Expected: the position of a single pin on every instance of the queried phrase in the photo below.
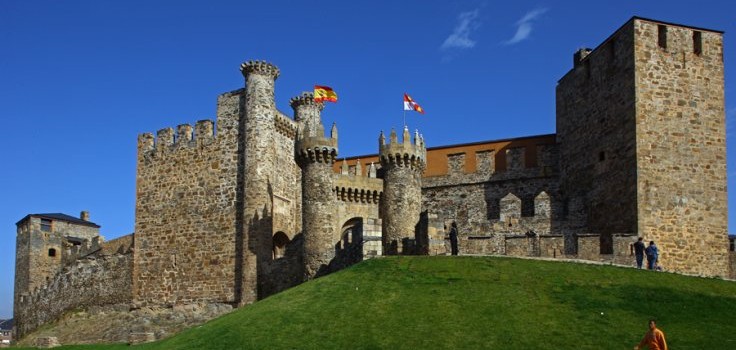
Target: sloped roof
(61, 217)
(6, 325)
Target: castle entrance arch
(280, 240)
(351, 233)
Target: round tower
(403, 164)
(316, 154)
(258, 165)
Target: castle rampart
(191, 181)
(103, 280)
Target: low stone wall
(88, 282)
(589, 247)
(518, 245)
(120, 245)
(552, 246)
(489, 244)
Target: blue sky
(79, 80)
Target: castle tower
(641, 128)
(403, 164)
(258, 167)
(316, 154)
(41, 240)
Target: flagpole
(405, 118)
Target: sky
(79, 80)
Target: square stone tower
(40, 243)
(641, 128)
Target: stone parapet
(88, 282)
(261, 68)
(316, 149)
(405, 153)
(359, 189)
(166, 140)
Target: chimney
(84, 215)
(579, 55)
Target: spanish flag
(410, 105)
(324, 93)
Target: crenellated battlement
(317, 148)
(405, 153)
(167, 139)
(285, 126)
(305, 99)
(260, 67)
(358, 189)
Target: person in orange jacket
(653, 339)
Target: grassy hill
(475, 303)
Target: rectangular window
(662, 37)
(46, 225)
(697, 42)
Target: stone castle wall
(104, 280)
(595, 133)
(681, 146)
(41, 254)
(484, 200)
(186, 219)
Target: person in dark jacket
(639, 252)
(453, 238)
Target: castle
(233, 211)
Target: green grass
(475, 303)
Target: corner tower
(403, 164)
(258, 168)
(641, 128)
(316, 154)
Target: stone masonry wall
(681, 146)
(186, 220)
(595, 132)
(40, 254)
(480, 200)
(105, 280)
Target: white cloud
(524, 26)
(460, 37)
(730, 120)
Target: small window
(46, 225)
(662, 36)
(601, 156)
(732, 245)
(52, 252)
(697, 42)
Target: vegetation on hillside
(475, 303)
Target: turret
(307, 113)
(403, 164)
(316, 154)
(258, 166)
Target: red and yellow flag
(324, 93)
(410, 105)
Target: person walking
(639, 252)
(653, 339)
(652, 255)
(453, 238)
